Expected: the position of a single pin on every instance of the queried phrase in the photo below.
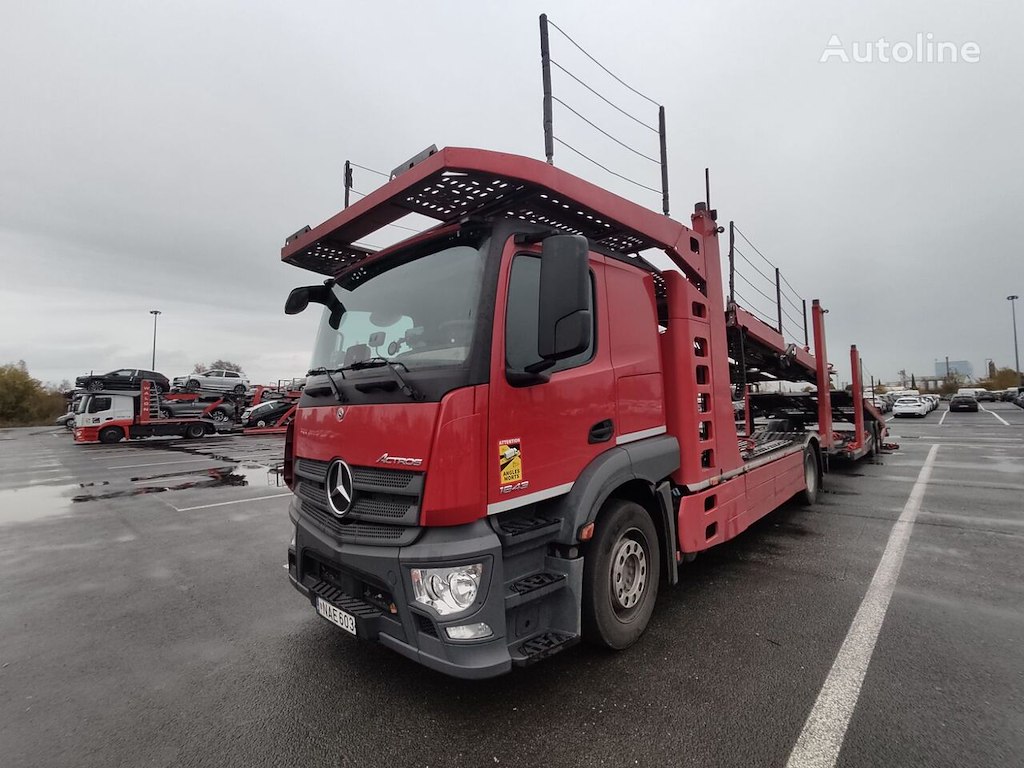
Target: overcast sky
(155, 156)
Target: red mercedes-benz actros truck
(515, 427)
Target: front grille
(357, 532)
(382, 478)
(390, 496)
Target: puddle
(36, 502)
(233, 475)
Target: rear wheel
(621, 572)
(194, 431)
(111, 435)
(166, 413)
(812, 477)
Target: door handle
(601, 432)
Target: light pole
(154, 313)
(1016, 354)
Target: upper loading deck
(457, 183)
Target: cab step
(533, 587)
(541, 646)
(518, 530)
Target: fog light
(447, 590)
(469, 631)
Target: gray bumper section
(528, 597)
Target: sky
(155, 156)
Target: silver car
(219, 380)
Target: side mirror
(565, 320)
(300, 298)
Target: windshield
(421, 312)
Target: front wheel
(111, 435)
(239, 389)
(95, 385)
(194, 431)
(192, 384)
(621, 571)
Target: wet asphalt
(146, 619)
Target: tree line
(25, 401)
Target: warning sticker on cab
(510, 461)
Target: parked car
(265, 414)
(910, 406)
(984, 396)
(963, 403)
(185, 408)
(66, 420)
(878, 401)
(1019, 400)
(123, 378)
(218, 379)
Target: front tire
(95, 385)
(621, 571)
(192, 384)
(239, 389)
(195, 431)
(110, 435)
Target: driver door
(542, 435)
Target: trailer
(109, 416)
(856, 426)
(516, 427)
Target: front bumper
(372, 583)
(529, 592)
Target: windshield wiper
(392, 365)
(330, 377)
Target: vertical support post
(732, 263)
(807, 339)
(778, 299)
(858, 397)
(348, 180)
(545, 71)
(664, 160)
(748, 417)
(707, 188)
(821, 358)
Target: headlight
(447, 590)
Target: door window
(521, 317)
(99, 404)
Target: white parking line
(945, 413)
(233, 501)
(822, 737)
(161, 463)
(889, 419)
(986, 410)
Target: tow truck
(111, 416)
(516, 427)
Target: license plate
(335, 615)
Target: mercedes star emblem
(339, 487)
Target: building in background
(962, 367)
